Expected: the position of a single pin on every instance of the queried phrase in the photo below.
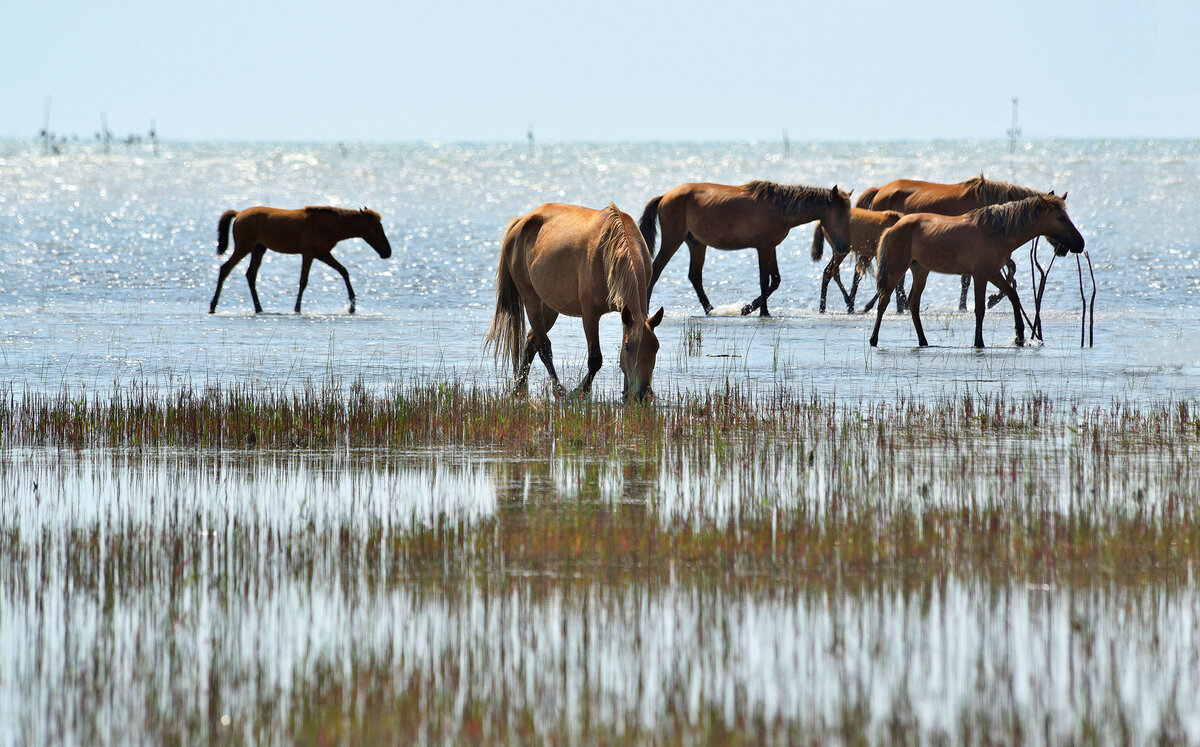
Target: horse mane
(994, 192)
(342, 212)
(1009, 217)
(789, 198)
(620, 263)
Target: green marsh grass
(445, 563)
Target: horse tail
(866, 198)
(881, 262)
(818, 246)
(223, 230)
(646, 224)
(507, 333)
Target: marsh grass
(247, 564)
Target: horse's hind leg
(697, 251)
(1002, 283)
(541, 319)
(671, 241)
(304, 268)
(920, 275)
(328, 259)
(252, 275)
(768, 281)
(832, 272)
(226, 267)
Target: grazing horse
(311, 232)
(866, 226)
(977, 244)
(566, 259)
(757, 215)
(912, 196)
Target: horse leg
(671, 242)
(1010, 275)
(328, 259)
(901, 297)
(541, 319)
(305, 265)
(591, 330)
(882, 297)
(696, 270)
(768, 281)
(1002, 283)
(860, 269)
(980, 304)
(522, 385)
(920, 275)
(252, 275)
(833, 272)
(226, 267)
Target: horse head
(373, 232)
(1058, 228)
(639, 349)
(836, 221)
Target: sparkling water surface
(109, 264)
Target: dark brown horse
(566, 259)
(912, 196)
(977, 244)
(866, 226)
(757, 215)
(311, 232)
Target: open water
(107, 263)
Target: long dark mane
(791, 199)
(994, 192)
(1010, 217)
(341, 212)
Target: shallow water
(108, 264)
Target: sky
(393, 70)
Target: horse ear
(1064, 197)
(656, 320)
(626, 316)
(1050, 192)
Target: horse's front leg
(962, 297)
(768, 281)
(833, 272)
(305, 266)
(595, 359)
(1006, 289)
(328, 259)
(980, 306)
(252, 275)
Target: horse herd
(566, 259)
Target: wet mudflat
(448, 564)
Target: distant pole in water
(1014, 132)
(105, 136)
(787, 144)
(45, 134)
(153, 138)
(529, 135)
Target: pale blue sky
(374, 70)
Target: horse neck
(626, 275)
(1024, 233)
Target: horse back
(722, 216)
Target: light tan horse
(566, 259)
(756, 215)
(866, 226)
(913, 196)
(977, 244)
(311, 232)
